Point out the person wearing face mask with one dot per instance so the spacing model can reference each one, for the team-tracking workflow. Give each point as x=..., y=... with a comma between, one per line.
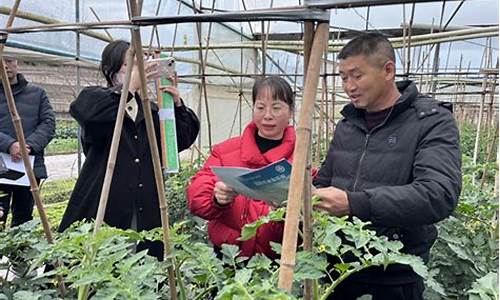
x=266, y=139
x=133, y=201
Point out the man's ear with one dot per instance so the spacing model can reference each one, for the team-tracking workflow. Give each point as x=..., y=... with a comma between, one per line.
x=390, y=70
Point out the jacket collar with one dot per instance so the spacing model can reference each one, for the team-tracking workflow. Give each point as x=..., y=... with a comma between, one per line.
x=117, y=91
x=18, y=87
x=408, y=91
x=250, y=152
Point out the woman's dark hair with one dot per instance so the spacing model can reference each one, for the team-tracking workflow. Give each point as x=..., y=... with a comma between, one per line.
x=280, y=89
x=112, y=59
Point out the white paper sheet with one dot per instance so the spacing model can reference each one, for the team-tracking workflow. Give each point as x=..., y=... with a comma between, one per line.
x=17, y=166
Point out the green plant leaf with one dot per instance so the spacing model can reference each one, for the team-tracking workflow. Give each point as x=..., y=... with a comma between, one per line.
x=309, y=266
x=250, y=230
x=259, y=262
x=243, y=276
x=485, y=287
x=332, y=243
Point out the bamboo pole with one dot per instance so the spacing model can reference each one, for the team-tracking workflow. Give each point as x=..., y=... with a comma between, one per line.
x=240, y=92
x=263, y=50
x=18, y=127
x=265, y=41
x=115, y=142
x=160, y=189
x=480, y=118
x=45, y=20
x=444, y=27
x=249, y=23
x=154, y=31
x=202, y=70
x=307, y=208
x=308, y=41
x=488, y=156
x=402, y=55
x=175, y=30
x=16, y=120
x=458, y=114
x=323, y=118
x=408, y=52
x=495, y=187
x=78, y=86
x=238, y=110
x=495, y=136
x=435, y=64
x=367, y=22
x=334, y=94
x=300, y=159
x=417, y=40
x=295, y=88
x=99, y=20
x=492, y=99
x=327, y=110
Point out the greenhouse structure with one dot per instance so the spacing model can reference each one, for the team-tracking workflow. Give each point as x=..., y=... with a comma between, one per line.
x=221, y=48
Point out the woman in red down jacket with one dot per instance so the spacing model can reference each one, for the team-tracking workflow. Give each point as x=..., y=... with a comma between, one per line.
x=266, y=139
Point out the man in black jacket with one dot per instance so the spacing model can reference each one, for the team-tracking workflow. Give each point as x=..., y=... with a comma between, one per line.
x=394, y=161
x=39, y=124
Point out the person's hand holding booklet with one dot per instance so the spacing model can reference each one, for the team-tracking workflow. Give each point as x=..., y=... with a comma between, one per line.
x=269, y=183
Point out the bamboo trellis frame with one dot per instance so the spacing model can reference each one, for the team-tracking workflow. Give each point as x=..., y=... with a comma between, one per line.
x=301, y=151
x=297, y=191
x=160, y=188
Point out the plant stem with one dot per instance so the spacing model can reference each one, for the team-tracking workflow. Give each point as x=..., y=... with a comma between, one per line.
x=201, y=296
x=315, y=289
x=342, y=277
x=83, y=291
x=182, y=288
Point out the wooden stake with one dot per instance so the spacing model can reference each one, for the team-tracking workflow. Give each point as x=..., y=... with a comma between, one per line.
x=160, y=189
x=300, y=159
x=408, y=52
x=488, y=156
x=495, y=136
x=307, y=208
x=480, y=118
x=115, y=142
x=203, y=78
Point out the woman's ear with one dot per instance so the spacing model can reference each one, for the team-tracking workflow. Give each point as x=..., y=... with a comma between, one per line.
x=291, y=115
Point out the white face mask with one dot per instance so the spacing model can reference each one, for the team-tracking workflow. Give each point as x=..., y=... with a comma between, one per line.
x=119, y=78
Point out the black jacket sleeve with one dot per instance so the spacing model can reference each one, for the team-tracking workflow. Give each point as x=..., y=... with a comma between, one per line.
x=187, y=126
x=436, y=185
x=95, y=109
x=94, y=104
x=324, y=176
x=46, y=128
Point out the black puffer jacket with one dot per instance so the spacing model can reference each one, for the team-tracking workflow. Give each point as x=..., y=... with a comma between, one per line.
x=403, y=175
x=37, y=117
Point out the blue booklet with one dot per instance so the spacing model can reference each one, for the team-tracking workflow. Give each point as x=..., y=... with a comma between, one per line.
x=269, y=183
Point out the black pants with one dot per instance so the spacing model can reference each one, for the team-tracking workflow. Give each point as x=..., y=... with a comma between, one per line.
x=22, y=203
x=352, y=290
x=155, y=248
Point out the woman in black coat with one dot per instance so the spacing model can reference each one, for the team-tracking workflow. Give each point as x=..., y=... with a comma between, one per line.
x=133, y=202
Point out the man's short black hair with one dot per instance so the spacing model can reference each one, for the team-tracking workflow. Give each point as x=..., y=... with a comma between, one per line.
x=372, y=45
